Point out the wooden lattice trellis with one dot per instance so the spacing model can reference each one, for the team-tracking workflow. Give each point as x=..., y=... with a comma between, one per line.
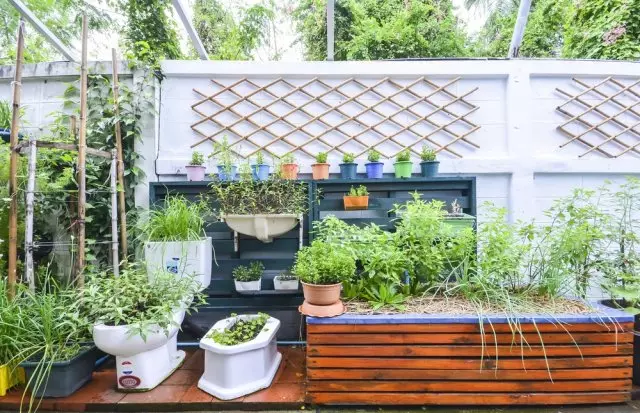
x=378, y=107
x=615, y=111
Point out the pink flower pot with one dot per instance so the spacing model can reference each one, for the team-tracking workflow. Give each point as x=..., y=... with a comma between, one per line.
x=195, y=172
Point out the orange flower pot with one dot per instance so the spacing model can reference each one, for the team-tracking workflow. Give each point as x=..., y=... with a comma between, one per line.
x=317, y=294
x=289, y=171
x=352, y=203
x=320, y=171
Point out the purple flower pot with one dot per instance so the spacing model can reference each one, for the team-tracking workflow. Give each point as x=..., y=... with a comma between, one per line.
x=227, y=175
x=374, y=170
x=195, y=172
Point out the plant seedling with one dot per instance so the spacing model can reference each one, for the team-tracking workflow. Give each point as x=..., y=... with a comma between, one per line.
x=348, y=157
x=260, y=158
x=288, y=158
x=241, y=331
x=404, y=156
x=321, y=157
x=373, y=156
x=358, y=191
x=427, y=154
x=253, y=272
x=197, y=159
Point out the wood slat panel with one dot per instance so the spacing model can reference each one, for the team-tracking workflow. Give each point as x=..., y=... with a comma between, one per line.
x=434, y=374
x=468, y=386
x=462, y=338
x=468, y=364
x=468, y=398
x=468, y=351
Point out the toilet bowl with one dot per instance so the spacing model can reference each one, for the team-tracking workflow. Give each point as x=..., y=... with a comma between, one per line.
x=142, y=364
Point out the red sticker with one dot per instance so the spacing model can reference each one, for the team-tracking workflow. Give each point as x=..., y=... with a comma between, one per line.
x=126, y=363
x=129, y=382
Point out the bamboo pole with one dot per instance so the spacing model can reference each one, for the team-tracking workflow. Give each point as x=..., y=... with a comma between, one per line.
x=82, y=147
x=73, y=129
x=114, y=213
x=28, y=230
x=13, y=165
x=120, y=157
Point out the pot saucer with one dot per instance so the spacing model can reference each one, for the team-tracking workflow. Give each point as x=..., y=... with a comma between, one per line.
x=322, y=310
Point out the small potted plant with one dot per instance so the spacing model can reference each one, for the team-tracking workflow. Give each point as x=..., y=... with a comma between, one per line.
x=322, y=267
x=357, y=199
x=348, y=167
x=288, y=167
x=285, y=281
x=196, y=168
x=403, y=165
x=320, y=169
x=260, y=169
x=227, y=169
x=248, y=278
x=458, y=220
x=429, y=164
x=374, y=166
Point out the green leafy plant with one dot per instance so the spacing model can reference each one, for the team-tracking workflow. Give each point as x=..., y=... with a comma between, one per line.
x=404, y=156
x=360, y=190
x=287, y=277
x=323, y=263
x=260, y=158
x=243, y=329
x=175, y=220
x=273, y=196
x=427, y=154
x=348, y=157
x=288, y=159
x=223, y=154
x=253, y=272
x=197, y=159
x=5, y=114
x=321, y=157
x=373, y=155
x=382, y=295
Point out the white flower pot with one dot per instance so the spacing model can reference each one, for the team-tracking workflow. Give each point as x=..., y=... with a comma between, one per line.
x=248, y=285
x=263, y=227
x=279, y=284
x=234, y=371
x=184, y=258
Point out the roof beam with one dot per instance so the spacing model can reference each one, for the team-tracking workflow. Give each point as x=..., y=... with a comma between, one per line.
x=42, y=29
x=195, y=39
x=518, y=30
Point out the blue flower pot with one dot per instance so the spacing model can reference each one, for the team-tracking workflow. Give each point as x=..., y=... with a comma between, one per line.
x=348, y=170
x=374, y=170
x=225, y=175
x=260, y=172
x=429, y=169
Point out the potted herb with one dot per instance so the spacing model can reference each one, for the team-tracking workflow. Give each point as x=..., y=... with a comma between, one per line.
x=322, y=267
x=374, y=166
x=175, y=240
x=196, y=168
x=248, y=278
x=285, y=281
x=403, y=165
x=260, y=169
x=458, y=220
x=261, y=209
x=288, y=167
x=240, y=355
x=429, y=164
x=320, y=169
x=137, y=321
x=348, y=167
x=227, y=169
x=358, y=198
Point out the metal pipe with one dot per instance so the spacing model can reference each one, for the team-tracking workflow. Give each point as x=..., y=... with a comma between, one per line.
x=193, y=34
x=28, y=230
x=114, y=214
x=330, y=29
x=518, y=30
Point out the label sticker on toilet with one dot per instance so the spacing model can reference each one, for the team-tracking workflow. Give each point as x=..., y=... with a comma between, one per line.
x=129, y=382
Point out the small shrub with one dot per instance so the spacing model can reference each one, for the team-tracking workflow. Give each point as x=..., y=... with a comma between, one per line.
x=373, y=156
x=321, y=157
x=427, y=154
x=358, y=191
x=197, y=159
x=242, y=330
x=253, y=272
x=288, y=158
x=348, y=158
x=177, y=220
x=323, y=263
x=260, y=158
x=404, y=156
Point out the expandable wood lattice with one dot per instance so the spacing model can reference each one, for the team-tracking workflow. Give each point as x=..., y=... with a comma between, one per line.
x=351, y=115
x=604, y=117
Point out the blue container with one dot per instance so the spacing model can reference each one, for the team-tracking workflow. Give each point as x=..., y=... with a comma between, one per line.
x=429, y=169
x=260, y=172
x=348, y=170
x=225, y=175
x=374, y=170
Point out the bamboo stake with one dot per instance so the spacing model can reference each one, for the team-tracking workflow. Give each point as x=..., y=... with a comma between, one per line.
x=28, y=231
x=73, y=129
x=82, y=147
x=114, y=214
x=119, y=153
x=13, y=166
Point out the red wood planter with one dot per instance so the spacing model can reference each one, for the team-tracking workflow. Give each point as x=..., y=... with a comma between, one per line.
x=437, y=360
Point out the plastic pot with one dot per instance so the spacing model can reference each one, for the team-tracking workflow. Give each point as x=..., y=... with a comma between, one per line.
x=248, y=285
x=348, y=170
x=288, y=285
x=195, y=172
x=374, y=170
x=352, y=203
x=10, y=377
x=320, y=171
x=260, y=172
x=429, y=169
x=225, y=174
x=289, y=171
x=317, y=294
x=403, y=169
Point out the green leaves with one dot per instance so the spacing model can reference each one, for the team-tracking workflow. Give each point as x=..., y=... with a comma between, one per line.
x=273, y=196
x=176, y=220
x=251, y=273
x=242, y=329
x=324, y=263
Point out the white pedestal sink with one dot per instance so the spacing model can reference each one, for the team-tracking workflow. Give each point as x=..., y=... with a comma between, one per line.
x=263, y=227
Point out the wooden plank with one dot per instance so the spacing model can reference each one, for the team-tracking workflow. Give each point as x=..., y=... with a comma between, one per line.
x=462, y=338
x=466, y=328
x=471, y=364
x=435, y=374
x=469, y=351
x=468, y=398
x=468, y=386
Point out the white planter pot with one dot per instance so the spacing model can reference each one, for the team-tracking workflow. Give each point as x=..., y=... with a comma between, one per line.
x=184, y=258
x=234, y=371
x=263, y=227
x=279, y=284
x=248, y=285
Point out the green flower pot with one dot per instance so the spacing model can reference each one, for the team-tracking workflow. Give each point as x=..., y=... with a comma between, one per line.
x=403, y=169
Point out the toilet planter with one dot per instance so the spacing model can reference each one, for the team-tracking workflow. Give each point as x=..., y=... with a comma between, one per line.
x=262, y=226
x=233, y=370
x=248, y=278
x=285, y=282
x=183, y=258
x=10, y=377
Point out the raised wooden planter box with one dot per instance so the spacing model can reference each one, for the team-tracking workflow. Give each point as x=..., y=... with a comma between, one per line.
x=443, y=360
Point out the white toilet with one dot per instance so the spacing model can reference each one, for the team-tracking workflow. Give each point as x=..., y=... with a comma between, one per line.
x=141, y=364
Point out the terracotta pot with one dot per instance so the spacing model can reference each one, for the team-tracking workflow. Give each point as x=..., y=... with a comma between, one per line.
x=320, y=170
x=317, y=294
x=289, y=171
x=352, y=203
